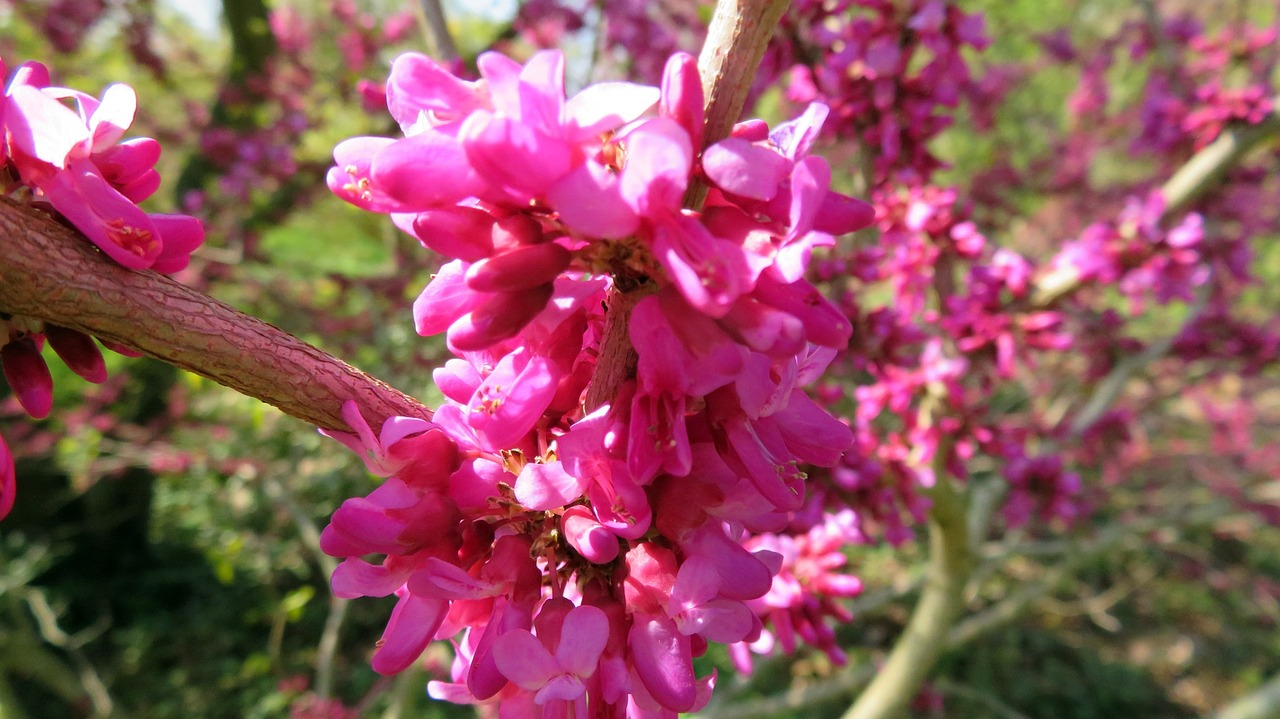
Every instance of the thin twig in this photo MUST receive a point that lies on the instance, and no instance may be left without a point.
(445, 49)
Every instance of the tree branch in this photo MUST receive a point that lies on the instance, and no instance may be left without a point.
(925, 637)
(53, 274)
(1192, 181)
(730, 58)
(432, 14)
(739, 32)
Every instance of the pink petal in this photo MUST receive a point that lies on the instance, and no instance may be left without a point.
(412, 625)
(708, 271)
(582, 640)
(512, 399)
(719, 620)
(663, 659)
(681, 97)
(659, 157)
(110, 220)
(795, 137)
(8, 475)
(444, 300)
(824, 323)
(424, 171)
(457, 380)
(587, 536)
(351, 179)
(813, 435)
(809, 182)
(456, 232)
(607, 106)
(541, 487)
(561, 688)
(742, 575)
(542, 91)
(513, 156)
(357, 578)
(619, 503)
(78, 351)
(126, 162)
(180, 236)
(763, 454)
(745, 169)
(439, 578)
(589, 200)
(522, 268)
(40, 127)
(113, 116)
(418, 85)
(497, 316)
(485, 679)
(522, 659)
(28, 376)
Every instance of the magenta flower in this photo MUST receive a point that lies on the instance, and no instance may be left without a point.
(71, 157)
(8, 480)
(557, 662)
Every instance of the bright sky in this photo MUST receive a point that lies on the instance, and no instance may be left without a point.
(205, 15)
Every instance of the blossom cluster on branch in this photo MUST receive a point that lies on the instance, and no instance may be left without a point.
(61, 153)
(579, 553)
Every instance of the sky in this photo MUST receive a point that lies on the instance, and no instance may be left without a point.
(205, 15)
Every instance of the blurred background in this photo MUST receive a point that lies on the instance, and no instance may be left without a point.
(162, 560)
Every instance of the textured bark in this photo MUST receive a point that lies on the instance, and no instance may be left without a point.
(729, 61)
(49, 272)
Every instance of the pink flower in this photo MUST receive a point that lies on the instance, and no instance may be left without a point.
(557, 662)
(72, 158)
(8, 480)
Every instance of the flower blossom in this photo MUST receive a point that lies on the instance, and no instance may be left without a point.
(581, 557)
(71, 162)
(76, 164)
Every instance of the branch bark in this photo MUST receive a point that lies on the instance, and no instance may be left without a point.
(51, 273)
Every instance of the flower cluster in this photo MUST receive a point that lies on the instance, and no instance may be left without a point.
(70, 162)
(890, 71)
(582, 538)
(1139, 255)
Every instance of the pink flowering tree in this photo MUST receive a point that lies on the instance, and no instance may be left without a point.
(690, 358)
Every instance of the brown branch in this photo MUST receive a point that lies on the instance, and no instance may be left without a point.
(730, 58)
(51, 273)
(739, 32)
(432, 15)
(1192, 181)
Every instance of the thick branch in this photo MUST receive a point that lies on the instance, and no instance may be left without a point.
(736, 41)
(51, 273)
(916, 651)
(1192, 181)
